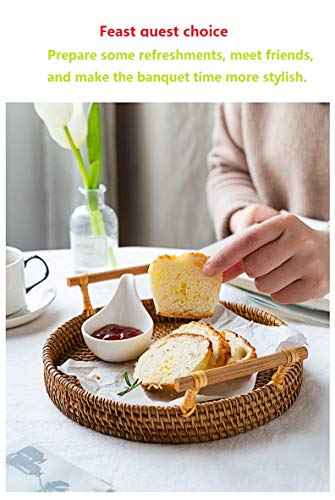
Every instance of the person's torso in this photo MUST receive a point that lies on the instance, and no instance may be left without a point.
(287, 151)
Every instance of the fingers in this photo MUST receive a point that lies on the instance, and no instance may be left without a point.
(244, 244)
(298, 291)
(264, 213)
(251, 214)
(267, 258)
(288, 260)
(233, 272)
(300, 278)
(279, 278)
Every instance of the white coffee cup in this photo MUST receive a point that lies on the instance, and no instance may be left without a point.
(15, 283)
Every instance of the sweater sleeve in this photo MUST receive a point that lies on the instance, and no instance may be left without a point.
(229, 185)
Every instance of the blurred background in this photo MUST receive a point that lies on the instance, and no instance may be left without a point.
(154, 168)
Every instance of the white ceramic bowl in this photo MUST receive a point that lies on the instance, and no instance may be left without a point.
(125, 309)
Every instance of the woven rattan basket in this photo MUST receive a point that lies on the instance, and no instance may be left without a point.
(164, 424)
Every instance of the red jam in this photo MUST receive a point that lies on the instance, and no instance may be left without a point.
(116, 332)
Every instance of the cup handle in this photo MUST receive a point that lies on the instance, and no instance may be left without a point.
(25, 262)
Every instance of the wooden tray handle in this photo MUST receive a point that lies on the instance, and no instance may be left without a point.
(83, 280)
(107, 275)
(194, 382)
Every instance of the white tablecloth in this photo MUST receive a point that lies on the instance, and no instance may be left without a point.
(289, 454)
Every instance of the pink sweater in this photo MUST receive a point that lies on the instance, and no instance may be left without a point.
(275, 154)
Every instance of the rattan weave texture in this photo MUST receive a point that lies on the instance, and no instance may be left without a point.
(164, 424)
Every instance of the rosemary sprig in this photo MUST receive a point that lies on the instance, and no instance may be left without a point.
(130, 385)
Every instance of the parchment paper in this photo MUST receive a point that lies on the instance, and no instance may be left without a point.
(107, 379)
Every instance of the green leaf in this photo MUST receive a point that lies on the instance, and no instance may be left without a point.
(94, 142)
(130, 387)
(126, 377)
(123, 392)
(94, 174)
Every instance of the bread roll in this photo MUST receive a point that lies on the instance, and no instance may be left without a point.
(179, 287)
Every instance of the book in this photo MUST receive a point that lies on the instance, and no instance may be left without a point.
(32, 467)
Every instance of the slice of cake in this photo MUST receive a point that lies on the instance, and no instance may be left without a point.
(179, 287)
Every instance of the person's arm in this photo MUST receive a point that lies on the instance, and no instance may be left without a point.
(229, 185)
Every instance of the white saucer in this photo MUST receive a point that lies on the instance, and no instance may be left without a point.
(38, 299)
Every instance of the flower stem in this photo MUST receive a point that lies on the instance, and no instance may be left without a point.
(96, 220)
(111, 256)
(78, 157)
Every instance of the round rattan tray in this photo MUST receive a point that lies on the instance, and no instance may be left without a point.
(164, 424)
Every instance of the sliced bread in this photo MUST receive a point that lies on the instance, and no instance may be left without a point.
(221, 349)
(172, 357)
(241, 350)
(179, 287)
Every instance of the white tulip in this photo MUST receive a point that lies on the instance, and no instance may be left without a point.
(77, 125)
(54, 114)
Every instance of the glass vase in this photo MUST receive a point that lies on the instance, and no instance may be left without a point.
(93, 233)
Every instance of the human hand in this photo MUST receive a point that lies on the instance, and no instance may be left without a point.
(249, 215)
(288, 259)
